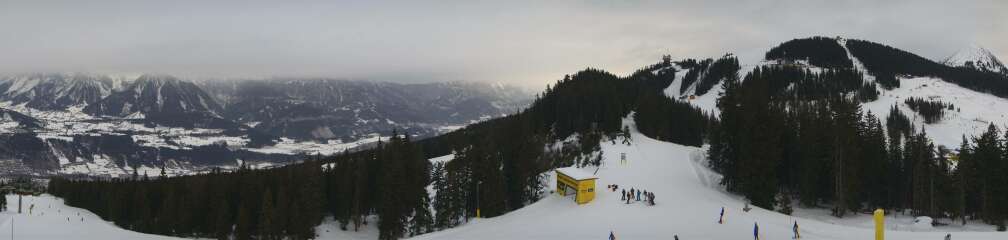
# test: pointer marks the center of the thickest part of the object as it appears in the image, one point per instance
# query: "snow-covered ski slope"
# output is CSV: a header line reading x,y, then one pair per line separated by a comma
x,y
974,110
688,202
51,219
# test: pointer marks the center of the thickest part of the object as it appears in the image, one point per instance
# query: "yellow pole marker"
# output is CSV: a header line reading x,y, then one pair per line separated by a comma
x,y
879,224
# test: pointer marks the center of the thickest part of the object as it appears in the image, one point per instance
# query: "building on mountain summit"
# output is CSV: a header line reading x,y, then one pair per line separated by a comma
x,y
577,182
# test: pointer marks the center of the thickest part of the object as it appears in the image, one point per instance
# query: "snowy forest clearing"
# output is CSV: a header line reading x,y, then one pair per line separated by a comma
x,y
51,219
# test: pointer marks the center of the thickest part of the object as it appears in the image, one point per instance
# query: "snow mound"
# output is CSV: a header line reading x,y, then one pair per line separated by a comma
x,y
923,223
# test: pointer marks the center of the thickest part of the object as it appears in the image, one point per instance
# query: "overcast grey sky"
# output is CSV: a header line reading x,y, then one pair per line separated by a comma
x,y
528,43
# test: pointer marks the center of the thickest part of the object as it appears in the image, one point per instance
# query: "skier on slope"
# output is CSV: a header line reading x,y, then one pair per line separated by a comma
x,y
795,230
623,196
611,236
626,135
638,196
755,231
721,218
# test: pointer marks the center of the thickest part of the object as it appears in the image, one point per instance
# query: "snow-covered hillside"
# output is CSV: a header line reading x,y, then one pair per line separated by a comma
x,y
51,219
688,200
974,110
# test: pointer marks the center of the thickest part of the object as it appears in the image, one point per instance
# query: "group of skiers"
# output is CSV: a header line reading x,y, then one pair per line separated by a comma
x,y
634,195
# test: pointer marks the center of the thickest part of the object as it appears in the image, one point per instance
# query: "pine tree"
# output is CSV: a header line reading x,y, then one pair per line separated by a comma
x,y
283,212
266,217
309,199
164,174
421,222
223,219
964,172
784,203
987,154
243,226
3,201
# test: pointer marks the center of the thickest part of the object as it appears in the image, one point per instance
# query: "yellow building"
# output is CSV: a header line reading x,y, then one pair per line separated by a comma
x,y
577,182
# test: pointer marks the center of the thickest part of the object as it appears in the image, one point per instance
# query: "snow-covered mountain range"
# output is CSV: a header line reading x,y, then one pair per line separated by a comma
x,y
327,108
55,91
108,125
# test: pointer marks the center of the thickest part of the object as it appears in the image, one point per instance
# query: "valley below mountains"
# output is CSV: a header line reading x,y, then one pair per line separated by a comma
x,y
103,125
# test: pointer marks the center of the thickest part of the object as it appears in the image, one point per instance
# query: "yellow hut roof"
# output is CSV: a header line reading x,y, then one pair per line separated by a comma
x,y
576,173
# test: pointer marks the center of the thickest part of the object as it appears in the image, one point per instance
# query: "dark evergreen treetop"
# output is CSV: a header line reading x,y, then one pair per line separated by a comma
x,y
819,51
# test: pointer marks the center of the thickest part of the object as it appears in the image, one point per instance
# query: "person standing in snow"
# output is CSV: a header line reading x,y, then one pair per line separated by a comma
x,y
623,195
948,236
755,231
721,218
626,135
612,236
638,196
795,230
